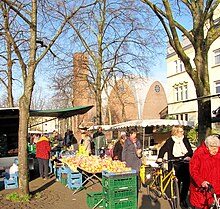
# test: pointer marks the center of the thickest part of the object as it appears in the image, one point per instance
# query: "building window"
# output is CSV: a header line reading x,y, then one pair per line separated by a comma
x,y
176,64
121,88
216,22
217,87
177,94
186,91
186,117
157,88
217,57
179,66
177,117
181,116
181,92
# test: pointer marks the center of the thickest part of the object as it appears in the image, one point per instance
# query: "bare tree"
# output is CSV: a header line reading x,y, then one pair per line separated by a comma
x,y
205,30
6,55
118,37
31,47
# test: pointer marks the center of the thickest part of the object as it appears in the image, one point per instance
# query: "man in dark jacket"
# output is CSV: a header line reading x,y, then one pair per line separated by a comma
x,y
99,141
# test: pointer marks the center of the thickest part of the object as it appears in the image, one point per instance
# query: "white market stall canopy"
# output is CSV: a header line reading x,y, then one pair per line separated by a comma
x,y
151,122
104,127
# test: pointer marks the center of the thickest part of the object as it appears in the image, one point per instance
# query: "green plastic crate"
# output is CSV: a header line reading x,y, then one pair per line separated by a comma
x,y
109,194
32,148
124,203
64,181
119,181
92,198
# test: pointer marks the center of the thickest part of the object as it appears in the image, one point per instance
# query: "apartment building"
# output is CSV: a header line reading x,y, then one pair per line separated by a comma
x,y
180,85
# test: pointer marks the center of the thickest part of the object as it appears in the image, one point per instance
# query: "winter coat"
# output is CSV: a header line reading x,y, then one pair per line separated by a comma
x,y
168,147
117,151
129,154
99,140
43,148
204,167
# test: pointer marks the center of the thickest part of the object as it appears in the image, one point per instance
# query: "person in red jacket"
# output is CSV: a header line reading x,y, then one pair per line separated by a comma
x,y
43,154
204,170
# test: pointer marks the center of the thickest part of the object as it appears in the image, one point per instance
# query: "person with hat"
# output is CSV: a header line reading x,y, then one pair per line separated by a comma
x,y
117,151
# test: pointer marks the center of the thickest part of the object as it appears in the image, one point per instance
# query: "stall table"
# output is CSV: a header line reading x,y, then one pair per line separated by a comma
x,y
89,176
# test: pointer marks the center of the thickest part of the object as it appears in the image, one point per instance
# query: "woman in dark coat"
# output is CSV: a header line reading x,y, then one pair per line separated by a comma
x,y
117,151
132,153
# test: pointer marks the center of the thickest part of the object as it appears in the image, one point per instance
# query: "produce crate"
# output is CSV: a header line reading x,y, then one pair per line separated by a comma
x,y
62,170
124,203
110,194
63,179
74,180
32,148
119,181
74,175
110,174
92,198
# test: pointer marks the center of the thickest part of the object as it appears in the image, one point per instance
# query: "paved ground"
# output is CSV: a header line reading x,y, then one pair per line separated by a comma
x,y
53,195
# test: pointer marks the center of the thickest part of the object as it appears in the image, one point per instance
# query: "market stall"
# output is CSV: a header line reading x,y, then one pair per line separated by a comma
x,y
90,167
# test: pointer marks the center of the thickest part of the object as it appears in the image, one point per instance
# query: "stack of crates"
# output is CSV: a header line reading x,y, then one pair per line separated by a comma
x,y
62,175
74,179
94,199
119,190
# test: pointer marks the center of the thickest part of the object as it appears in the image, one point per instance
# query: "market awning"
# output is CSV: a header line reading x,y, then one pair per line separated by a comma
x,y
151,122
61,113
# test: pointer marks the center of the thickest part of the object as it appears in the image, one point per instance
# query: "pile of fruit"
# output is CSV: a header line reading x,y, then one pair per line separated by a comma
x,y
95,164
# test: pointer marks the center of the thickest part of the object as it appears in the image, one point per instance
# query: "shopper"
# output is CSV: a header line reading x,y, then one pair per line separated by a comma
x,y
43,154
204,170
117,150
132,154
86,140
176,147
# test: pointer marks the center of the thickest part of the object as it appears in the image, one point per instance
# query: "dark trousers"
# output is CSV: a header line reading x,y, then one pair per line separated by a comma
x,y
43,167
183,176
139,181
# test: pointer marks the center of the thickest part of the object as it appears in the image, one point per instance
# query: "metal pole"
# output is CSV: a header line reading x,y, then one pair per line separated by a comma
x,y
143,136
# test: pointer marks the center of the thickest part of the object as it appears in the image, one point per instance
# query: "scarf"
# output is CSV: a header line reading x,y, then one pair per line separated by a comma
x,y
179,148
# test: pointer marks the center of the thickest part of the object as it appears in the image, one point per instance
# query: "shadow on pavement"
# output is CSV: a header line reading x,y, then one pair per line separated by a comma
x,y
147,203
44,186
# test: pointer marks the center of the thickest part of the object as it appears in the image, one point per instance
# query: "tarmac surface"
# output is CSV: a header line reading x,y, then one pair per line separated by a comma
x,y
51,194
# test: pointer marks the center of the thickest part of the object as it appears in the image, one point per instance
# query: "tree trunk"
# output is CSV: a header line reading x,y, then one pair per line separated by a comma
x,y
99,107
204,119
202,86
22,145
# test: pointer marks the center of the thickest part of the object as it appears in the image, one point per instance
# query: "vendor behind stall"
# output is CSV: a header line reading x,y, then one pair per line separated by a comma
x,y
86,140
99,141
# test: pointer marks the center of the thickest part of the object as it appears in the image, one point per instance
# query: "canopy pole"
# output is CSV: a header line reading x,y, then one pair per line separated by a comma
x,y
143,136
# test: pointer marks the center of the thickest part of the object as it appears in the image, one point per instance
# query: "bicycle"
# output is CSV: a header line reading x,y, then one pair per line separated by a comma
x,y
216,201
163,183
